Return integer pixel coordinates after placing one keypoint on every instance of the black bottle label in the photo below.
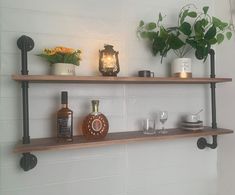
(64, 126)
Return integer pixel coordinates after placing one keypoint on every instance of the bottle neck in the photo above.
(64, 105)
(95, 106)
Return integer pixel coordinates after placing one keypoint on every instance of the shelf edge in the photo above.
(98, 143)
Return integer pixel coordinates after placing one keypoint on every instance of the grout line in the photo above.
(51, 13)
(61, 183)
(126, 169)
(89, 37)
(73, 160)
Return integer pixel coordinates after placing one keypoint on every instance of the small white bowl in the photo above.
(192, 118)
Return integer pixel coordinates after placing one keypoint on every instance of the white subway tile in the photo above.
(62, 24)
(203, 187)
(8, 157)
(11, 130)
(81, 154)
(75, 90)
(90, 8)
(9, 88)
(63, 172)
(173, 153)
(10, 108)
(45, 107)
(174, 174)
(10, 64)
(100, 186)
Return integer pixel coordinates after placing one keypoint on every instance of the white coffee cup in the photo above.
(192, 118)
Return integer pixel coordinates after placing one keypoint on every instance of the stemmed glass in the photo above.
(163, 118)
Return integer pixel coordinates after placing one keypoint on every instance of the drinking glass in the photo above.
(163, 115)
(149, 126)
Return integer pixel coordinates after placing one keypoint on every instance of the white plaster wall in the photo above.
(164, 168)
(226, 105)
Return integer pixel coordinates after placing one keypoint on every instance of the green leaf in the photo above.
(151, 35)
(205, 9)
(69, 58)
(199, 54)
(224, 25)
(185, 28)
(228, 35)
(204, 22)
(213, 41)
(171, 29)
(160, 18)
(198, 27)
(184, 15)
(216, 22)
(56, 58)
(163, 33)
(175, 42)
(220, 38)
(151, 26)
(192, 43)
(144, 34)
(141, 23)
(192, 14)
(158, 45)
(211, 33)
(202, 50)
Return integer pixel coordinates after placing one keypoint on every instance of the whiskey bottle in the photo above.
(64, 120)
(95, 125)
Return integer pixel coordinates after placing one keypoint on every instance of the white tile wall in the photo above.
(165, 168)
(226, 68)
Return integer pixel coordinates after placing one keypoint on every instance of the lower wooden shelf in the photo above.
(44, 144)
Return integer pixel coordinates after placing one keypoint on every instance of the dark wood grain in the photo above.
(43, 144)
(101, 79)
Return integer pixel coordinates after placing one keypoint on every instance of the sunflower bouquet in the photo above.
(62, 55)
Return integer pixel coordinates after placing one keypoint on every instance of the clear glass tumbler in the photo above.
(149, 126)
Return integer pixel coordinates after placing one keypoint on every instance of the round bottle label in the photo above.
(96, 125)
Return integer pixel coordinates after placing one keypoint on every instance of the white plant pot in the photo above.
(63, 69)
(181, 67)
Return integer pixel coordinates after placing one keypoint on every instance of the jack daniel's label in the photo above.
(64, 125)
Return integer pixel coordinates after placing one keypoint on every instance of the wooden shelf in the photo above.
(43, 144)
(101, 79)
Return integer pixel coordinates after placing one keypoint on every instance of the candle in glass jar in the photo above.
(183, 75)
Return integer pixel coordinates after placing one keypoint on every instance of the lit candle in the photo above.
(109, 61)
(183, 75)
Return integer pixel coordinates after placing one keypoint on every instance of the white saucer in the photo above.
(192, 128)
(195, 124)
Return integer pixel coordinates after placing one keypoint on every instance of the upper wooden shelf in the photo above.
(43, 144)
(101, 79)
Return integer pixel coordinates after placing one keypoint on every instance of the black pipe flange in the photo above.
(202, 143)
(25, 43)
(28, 161)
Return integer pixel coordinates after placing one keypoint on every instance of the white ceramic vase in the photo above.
(63, 69)
(181, 67)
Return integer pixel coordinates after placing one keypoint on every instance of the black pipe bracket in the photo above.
(202, 143)
(28, 161)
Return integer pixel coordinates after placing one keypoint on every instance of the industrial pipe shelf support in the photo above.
(202, 142)
(25, 44)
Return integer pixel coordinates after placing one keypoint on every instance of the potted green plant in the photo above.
(63, 60)
(194, 30)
